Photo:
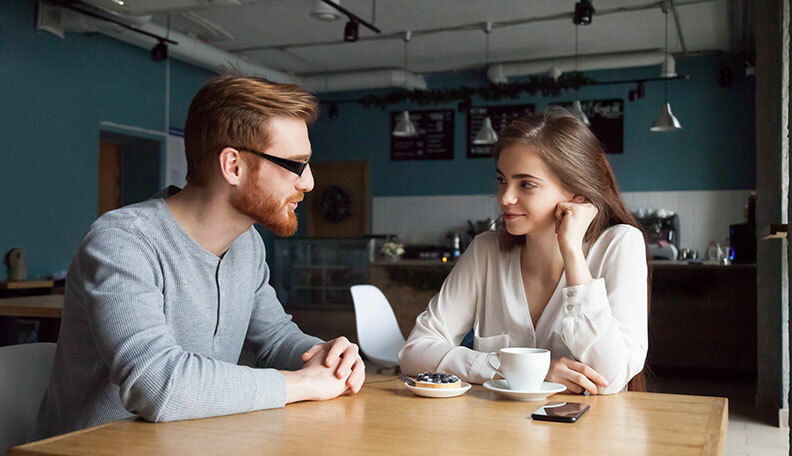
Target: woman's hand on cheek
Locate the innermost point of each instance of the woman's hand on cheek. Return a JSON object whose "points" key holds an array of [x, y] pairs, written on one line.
{"points": [[572, 221]]}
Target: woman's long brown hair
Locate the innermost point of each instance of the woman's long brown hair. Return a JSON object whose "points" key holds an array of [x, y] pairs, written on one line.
{"points": [[572, 152]]}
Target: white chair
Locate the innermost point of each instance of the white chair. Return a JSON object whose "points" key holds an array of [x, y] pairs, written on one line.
{"points": [[24, 374], [378, 332]]}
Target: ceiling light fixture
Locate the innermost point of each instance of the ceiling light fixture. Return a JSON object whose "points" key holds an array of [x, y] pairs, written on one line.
{"points": [[584, 11], [159, 52], [333, 111], [352, 28], [486, 135], [554, 73], [321, 11], [351, 31], [666, 121], [638, 92], [404, 127]]}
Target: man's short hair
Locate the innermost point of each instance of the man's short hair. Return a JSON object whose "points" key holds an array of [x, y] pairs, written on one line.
{"points": [[233, 111]]}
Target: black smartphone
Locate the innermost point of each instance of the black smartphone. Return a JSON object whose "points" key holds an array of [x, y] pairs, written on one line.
{"points": [[564, 412]]}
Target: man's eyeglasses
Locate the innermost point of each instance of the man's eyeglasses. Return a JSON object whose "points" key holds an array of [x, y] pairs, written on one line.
{"points": [[290, 165]]}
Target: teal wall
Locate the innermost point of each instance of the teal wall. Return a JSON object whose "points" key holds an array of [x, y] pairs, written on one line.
{"points": [[55, 93], [714, 151]]}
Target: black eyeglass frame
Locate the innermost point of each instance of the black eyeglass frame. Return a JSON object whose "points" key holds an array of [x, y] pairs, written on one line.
{"points": [[293, 166]]}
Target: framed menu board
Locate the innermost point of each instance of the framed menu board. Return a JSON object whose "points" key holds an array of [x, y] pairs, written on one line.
{"points": [[435, 140], [607, 122], [500, 117]]}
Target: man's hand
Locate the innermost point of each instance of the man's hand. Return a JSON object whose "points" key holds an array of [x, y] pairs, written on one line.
{"points": [[314, 382], [342, 355]]}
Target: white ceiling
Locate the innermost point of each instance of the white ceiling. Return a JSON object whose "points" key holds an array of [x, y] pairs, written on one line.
{"points": [[241, 26]]}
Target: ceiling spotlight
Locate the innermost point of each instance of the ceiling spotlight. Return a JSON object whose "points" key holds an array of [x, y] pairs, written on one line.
{"points": [[583, 12], [323, 12], [351, 31], [159, 52], [333, 111], [638, 92]]}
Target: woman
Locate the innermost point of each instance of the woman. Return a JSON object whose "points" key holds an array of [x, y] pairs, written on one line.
{"points": [[566, 270]]}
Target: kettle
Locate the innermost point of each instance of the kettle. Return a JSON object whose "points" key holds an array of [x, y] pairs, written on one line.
{"points": [[15, 262]]}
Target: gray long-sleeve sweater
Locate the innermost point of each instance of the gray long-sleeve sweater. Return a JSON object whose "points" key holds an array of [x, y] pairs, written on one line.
{"points": [[153, 325]]}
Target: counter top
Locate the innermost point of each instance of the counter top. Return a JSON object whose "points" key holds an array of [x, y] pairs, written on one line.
{"points": [[436, 262], [413, 262], [654, 263], [699, 264]]}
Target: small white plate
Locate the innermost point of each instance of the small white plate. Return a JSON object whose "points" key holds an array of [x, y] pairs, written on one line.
{"points": [[438, 392], [547, 389]]}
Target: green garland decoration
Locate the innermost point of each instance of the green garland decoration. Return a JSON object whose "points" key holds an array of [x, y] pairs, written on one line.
{"points": [[546, 86]]}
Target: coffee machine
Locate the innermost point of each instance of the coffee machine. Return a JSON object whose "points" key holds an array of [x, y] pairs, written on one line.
{"points": [[15, 262], [662, 233]]}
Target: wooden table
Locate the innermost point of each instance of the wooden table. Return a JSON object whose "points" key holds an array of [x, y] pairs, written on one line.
{"points": [[385, 418], [45, 306]]}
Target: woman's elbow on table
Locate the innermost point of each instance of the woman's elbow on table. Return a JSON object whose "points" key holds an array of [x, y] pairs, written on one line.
{"points": [[411, 362], [617, 381], [406, 361]]}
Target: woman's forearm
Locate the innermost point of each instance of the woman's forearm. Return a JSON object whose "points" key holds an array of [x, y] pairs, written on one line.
{"points": [[576, 268]]}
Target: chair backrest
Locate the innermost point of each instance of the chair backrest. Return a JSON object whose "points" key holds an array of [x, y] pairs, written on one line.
{"points": [[378, 331], [24, 374]]}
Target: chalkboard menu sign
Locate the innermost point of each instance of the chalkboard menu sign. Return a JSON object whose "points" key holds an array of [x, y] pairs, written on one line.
{"points": [[500, 117], [435, 140], [607, 122]]}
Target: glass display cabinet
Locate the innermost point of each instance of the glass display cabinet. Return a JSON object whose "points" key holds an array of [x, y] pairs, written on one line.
{"points": [[317, 273]]}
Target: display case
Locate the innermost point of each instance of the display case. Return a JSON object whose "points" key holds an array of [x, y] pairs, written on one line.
{"points": [[317, 273]]}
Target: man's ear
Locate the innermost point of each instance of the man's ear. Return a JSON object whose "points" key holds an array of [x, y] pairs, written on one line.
{"points": [[231, 166]]}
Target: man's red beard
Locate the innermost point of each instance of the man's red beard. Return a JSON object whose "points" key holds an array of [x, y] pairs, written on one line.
{"points": [[258, 203]]}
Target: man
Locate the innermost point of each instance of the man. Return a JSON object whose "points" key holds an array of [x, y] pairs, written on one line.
{"points": [[161, 295]]}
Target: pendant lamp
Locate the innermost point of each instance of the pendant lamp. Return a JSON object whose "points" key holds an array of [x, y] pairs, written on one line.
{"points": [[577, 109], [666, 121], [486, 135], [404, 126]]}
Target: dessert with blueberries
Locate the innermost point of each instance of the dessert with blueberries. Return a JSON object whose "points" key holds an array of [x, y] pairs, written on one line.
{"points": [[430, 380]]}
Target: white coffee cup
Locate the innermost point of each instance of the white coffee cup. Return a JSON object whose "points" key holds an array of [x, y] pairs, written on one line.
{"points": [[523, 368]]}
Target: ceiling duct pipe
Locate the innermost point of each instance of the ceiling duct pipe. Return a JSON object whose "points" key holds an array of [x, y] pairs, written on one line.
{"points": [[197, 52], [376, 79], [500, 72], [206, 56], [57, 20]]}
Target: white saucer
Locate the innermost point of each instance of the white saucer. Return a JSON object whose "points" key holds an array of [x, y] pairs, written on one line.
{"points": [[438, 392], [547, 389]]}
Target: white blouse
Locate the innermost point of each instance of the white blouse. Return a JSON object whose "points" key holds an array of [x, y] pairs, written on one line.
{"points": [[602, 323]]}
